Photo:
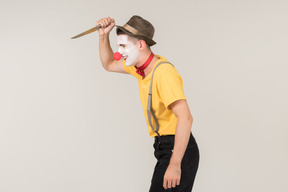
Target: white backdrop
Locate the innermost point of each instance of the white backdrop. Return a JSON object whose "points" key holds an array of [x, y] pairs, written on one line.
{"points": [[67, 125]]}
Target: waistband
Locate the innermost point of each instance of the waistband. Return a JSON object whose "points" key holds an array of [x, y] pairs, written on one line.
{"points": [[164, 138], [171, 138]]}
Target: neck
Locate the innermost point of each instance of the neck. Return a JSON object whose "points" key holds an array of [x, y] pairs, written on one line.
{"points": [[143, 59], [150, 66]]}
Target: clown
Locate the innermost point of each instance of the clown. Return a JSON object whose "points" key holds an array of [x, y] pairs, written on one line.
{"points": [[175, 147]]}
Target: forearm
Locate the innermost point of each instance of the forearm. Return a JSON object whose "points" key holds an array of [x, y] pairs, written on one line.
{"points": [[182, 136], [105, 51]]}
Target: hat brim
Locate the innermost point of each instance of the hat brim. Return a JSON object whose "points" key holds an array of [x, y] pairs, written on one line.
{"points": [[148, 40]]}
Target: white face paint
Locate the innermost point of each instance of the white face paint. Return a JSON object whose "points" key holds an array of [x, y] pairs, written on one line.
{"points": [[128, 50]]}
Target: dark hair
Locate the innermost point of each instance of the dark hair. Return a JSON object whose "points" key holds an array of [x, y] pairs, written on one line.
{"points": [[119, 32]]}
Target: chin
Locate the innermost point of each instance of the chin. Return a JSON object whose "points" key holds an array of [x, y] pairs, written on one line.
{"points": [[129, 64]]}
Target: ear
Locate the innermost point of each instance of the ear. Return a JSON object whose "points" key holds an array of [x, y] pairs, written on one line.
{"points": [[142, 45]]}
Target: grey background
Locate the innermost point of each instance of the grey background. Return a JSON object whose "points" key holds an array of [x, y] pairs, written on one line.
{"points": [[67, 125]]}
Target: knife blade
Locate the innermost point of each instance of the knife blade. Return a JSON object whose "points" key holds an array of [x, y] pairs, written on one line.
{"points": [[87, 32]]}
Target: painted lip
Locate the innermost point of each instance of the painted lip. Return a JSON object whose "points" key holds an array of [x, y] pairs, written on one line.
{"points": [[124, 57]]}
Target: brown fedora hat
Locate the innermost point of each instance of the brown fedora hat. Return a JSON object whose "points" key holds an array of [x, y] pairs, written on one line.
{"points": [[139, 28]]}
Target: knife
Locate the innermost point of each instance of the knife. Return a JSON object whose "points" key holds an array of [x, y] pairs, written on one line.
{"points": [[87, 32]]}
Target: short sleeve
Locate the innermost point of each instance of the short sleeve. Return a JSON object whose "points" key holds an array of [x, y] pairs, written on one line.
{"points": [[169, 84]]}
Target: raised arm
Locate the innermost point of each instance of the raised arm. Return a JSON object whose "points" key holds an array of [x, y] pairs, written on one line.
{"points": [[105, 50]]}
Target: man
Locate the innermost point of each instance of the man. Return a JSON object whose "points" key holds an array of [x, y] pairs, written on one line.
{"points": [[175, 147]]}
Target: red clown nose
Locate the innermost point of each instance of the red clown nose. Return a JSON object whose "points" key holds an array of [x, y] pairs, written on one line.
{"points": [[117, 56]]}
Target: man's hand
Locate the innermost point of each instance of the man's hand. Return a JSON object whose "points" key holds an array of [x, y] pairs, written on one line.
{"points": [[172, 176], [107, 25]]}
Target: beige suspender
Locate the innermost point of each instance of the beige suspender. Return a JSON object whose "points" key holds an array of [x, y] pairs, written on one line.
{"points": [[149, 106]]}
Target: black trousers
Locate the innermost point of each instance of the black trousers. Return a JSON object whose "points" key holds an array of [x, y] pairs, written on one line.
{"points": [[163, 151]]}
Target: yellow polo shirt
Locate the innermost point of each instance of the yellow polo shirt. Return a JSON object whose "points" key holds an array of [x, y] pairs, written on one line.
{"points": [[167, 88]]}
